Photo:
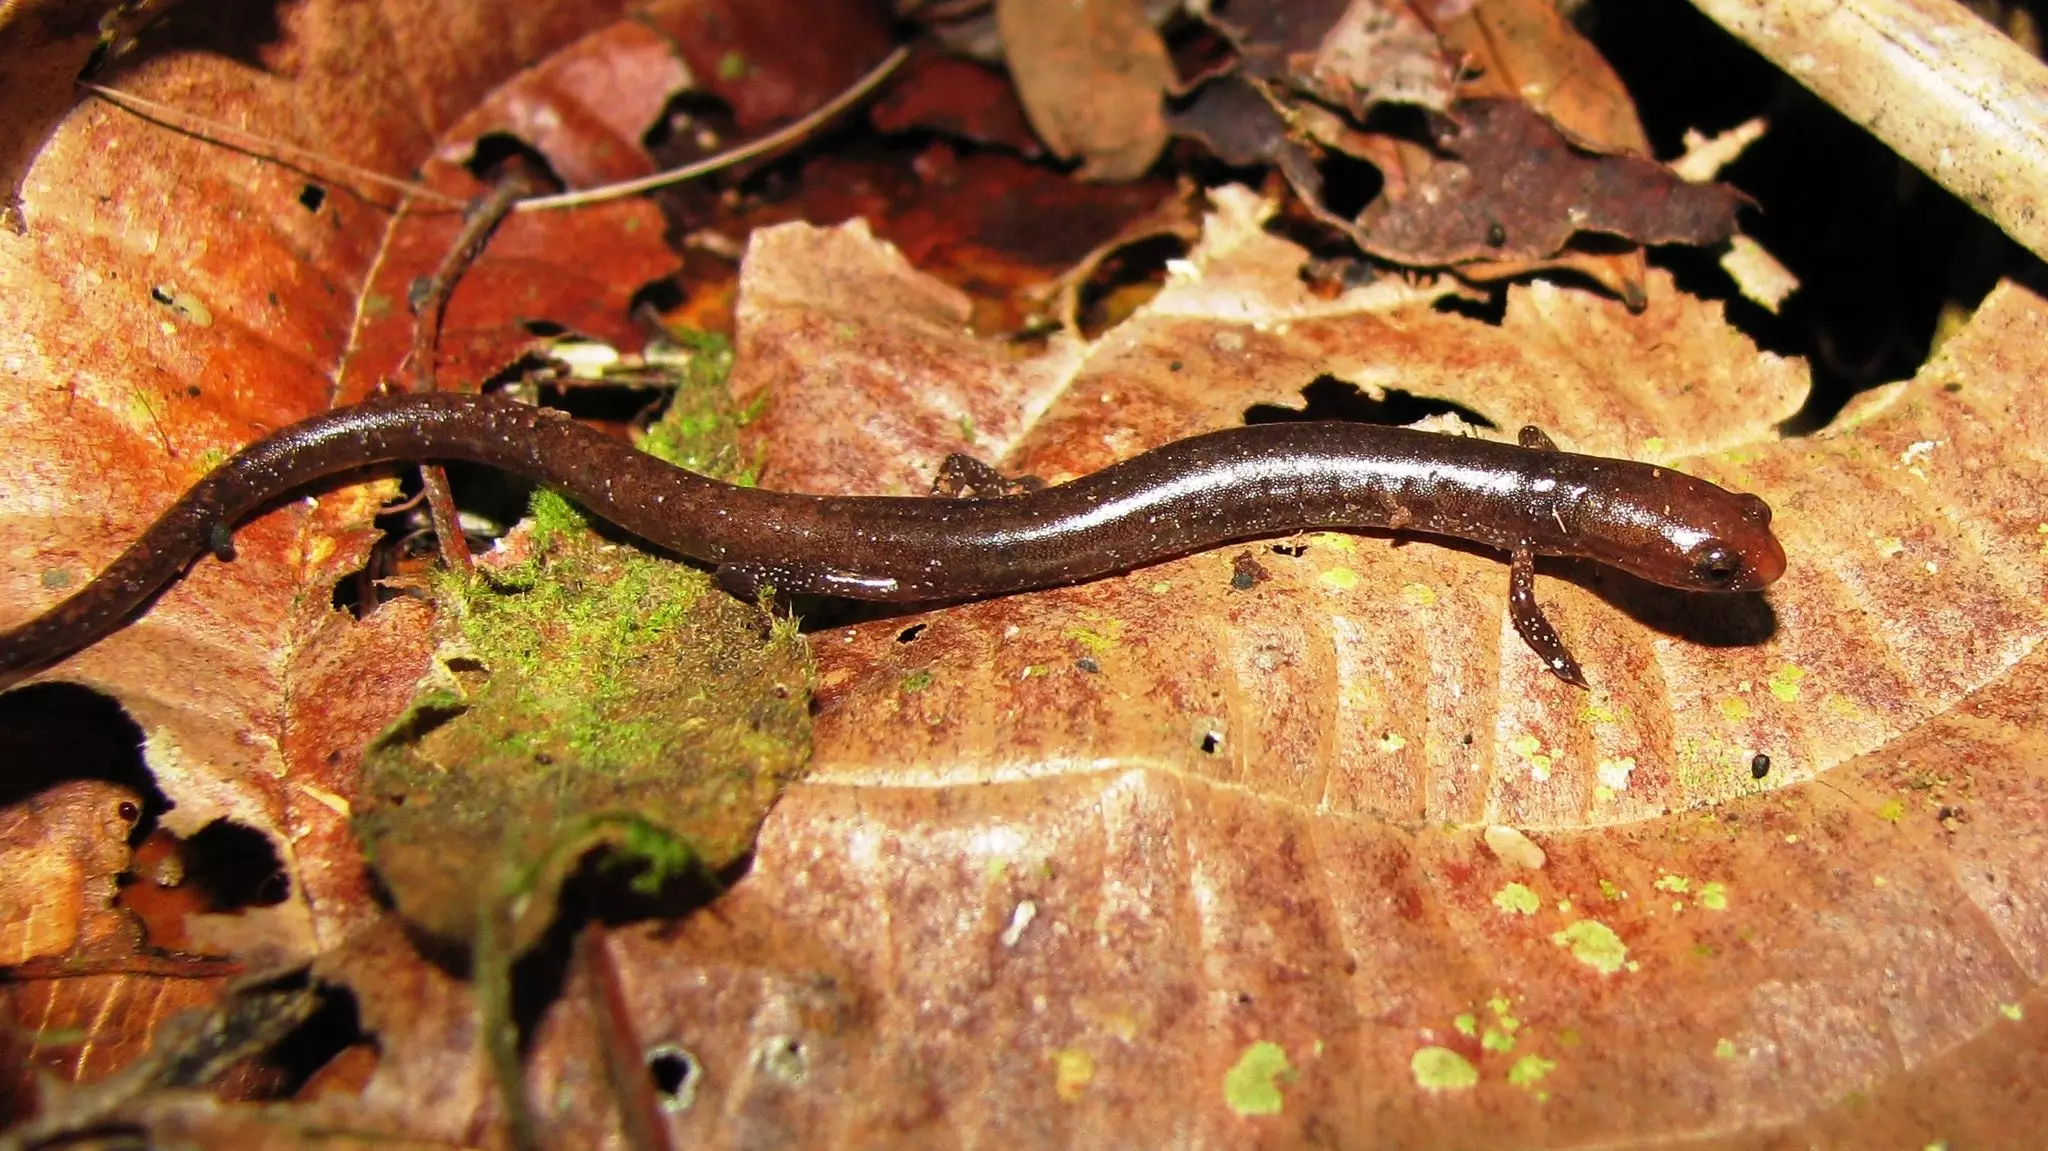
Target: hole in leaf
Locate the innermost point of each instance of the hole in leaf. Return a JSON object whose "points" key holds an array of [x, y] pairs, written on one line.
{"points": [[312, 196], [693, 125], [1491, 310], [496, 151], [676, 1074], [235, 867], [1348, 184], [1123, 280], [53, 732], [1330, 398], [910, 634], [658, 298]]}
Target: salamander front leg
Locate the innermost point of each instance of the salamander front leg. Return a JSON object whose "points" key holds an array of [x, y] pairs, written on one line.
{"points": [[1530, 623], [1535, 437]]}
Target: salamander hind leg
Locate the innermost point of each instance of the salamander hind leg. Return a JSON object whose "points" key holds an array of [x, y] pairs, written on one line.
{"points": [[964, 477], [1531, 624]]}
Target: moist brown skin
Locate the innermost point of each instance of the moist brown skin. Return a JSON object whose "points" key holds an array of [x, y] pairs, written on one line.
{"points": [[1527, 500]]}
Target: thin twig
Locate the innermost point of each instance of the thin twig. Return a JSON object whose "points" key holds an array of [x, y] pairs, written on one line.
{"points": [[166, 116], [727, 159], [429, 308]]}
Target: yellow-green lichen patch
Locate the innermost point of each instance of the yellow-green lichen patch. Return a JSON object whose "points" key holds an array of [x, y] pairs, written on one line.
{"points": [[1339, 579], [1600, 711], [1594, 944], [1892, 810], [1784, 682], [1467, 1024], [1714, 896], [1252, 1085], [916, 682], [1530, 1070], [1724, 1049], [2012, 1011], [1442, 1069], [1496, 1039], [1676, 884], [1072, 1071], [1096, 632], [1517, 899], [1422, 595], [1531, 749]]}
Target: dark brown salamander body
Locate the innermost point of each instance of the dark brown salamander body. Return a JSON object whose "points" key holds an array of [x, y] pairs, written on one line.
{"points": [[1241, 483]]}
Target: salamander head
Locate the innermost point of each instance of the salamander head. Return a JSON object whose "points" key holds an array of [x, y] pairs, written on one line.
{"points": [[1687, 533]]}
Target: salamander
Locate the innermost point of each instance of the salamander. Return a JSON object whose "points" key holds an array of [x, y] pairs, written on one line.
{"points": [[1525, 499]]}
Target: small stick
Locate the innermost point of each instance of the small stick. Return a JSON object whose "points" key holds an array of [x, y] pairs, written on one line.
{"points": [[165, 116], [726, 159], [430, 306]]}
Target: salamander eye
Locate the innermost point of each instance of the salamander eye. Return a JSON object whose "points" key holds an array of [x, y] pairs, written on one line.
{"points": [[1755, 510], [1716, 566]]}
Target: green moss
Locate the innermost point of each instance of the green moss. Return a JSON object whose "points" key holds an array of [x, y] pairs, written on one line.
{"points": [[591, 697], [697, 429]]}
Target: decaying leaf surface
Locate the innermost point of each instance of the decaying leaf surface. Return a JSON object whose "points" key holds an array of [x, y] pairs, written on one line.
{"points": [[146, 343], [1512, 188], [171, 300], [1540, 145]]}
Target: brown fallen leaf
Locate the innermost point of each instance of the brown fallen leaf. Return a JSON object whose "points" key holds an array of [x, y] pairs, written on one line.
{"points": [[1353, 54], [1091, 74], [1509, 187], [961, 98]]}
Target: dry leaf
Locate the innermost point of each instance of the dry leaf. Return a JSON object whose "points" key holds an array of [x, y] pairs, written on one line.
{"points": [[1510, 188], [958, 97], [1350, 53], [1091, 74]]}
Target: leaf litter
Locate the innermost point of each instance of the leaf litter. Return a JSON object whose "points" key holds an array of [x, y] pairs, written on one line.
{"points": [[1270, 854]]}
